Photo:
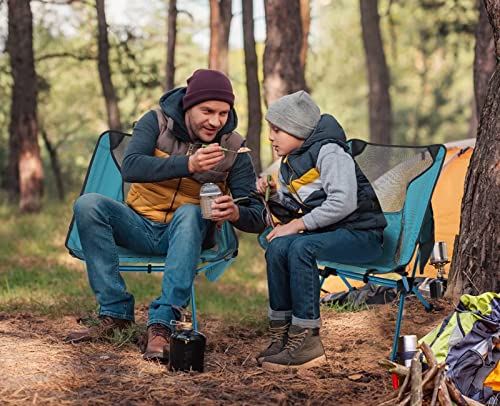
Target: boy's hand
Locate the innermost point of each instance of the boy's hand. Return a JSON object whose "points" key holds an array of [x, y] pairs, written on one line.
{"points": [[262, 183], [205, 159], [224, 208], [293, 227]]}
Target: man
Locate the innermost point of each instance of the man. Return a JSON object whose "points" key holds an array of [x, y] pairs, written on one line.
{"points": [[187, 142]]}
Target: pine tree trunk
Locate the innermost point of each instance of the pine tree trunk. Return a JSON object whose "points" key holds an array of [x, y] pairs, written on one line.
{"points": [[23, 125], [108, 89], [54, 164], [484, 57], [220, 24], [282, 68], [252, 82], [305, 16], [379, 100], [475, 265], [171, 42]]}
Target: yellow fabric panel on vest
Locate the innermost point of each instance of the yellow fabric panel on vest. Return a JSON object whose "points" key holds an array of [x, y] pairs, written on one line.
{"points": [[308, 177]]}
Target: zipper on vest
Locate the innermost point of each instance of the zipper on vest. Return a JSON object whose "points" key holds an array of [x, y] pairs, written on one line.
{"points": [[290, 183]]}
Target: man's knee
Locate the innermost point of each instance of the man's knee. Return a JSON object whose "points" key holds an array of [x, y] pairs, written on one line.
{"points": [[86, 203], [188, 213]]}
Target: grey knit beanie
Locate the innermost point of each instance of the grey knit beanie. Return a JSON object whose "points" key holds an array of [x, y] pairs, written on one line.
{"points": [[297, 114]]}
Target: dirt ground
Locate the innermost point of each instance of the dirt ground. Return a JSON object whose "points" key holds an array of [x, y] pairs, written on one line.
{"points": [[36, 367]]}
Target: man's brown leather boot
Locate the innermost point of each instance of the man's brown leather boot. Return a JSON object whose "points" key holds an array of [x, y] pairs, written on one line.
{"points": [[104, 329], [158, 339]]}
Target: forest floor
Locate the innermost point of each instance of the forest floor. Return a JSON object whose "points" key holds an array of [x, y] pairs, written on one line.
{"points": [[37, 367]]}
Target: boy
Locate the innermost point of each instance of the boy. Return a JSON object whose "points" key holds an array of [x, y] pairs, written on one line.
{"points": [[335, 216]]}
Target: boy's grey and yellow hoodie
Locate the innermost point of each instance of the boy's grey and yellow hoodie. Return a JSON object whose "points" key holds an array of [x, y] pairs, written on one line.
{"points": [[322, 181], [158, 177]]}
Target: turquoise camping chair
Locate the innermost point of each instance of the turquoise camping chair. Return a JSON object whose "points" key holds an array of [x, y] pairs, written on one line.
{"points": [[403, 179], [104, 177]]}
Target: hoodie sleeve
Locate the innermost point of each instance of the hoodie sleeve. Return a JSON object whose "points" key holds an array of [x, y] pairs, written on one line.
{"points": [[338, 178], [241, 182], [139, 163]]}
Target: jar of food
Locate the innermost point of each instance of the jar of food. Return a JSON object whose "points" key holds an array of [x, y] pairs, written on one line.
{"points": [[208, 193]]}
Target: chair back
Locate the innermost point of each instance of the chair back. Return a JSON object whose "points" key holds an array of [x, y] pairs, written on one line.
{"points": [[404, 179]]}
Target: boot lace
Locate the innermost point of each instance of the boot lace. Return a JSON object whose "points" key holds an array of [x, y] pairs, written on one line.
{"points": [[160, 330], [295, 340], [277, 333]]}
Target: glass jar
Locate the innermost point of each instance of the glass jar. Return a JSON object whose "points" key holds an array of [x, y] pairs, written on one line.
{"points": [[208, 193]]}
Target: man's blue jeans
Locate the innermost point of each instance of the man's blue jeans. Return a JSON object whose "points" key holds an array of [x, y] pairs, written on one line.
{"points": [[292, 272], [104, 223]]}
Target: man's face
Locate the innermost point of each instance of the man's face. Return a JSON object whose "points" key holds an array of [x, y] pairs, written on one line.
{"points": [[206, 119]]}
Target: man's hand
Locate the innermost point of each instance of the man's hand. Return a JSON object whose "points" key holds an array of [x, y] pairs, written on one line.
{"points": [[224, 208], [262, 183], [293, 227], [205, 159]]}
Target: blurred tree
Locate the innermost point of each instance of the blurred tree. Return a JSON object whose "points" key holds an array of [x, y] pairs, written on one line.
{"points": [[379, 100], [171, 40], [282, 68], [220, 24], [252, 83], [103, 66], [475, 266], [305, 16], [25, 164], [283, 73]]}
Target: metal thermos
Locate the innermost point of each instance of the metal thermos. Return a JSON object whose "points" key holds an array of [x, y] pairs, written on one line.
{"points": [[187, 349], [208, 193], [407, 347]]}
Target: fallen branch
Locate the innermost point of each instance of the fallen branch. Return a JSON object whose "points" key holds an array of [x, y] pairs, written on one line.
{"points": [[443, 394], [437, 380], [454, 392], [429, 355], [393, 368], [416, 395]]}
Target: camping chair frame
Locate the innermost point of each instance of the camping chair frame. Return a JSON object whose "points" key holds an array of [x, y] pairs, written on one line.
{"points": [[104, 177], [406, 224]]}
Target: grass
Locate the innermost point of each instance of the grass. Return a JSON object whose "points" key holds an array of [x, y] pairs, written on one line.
{"points": [[37, 274]]}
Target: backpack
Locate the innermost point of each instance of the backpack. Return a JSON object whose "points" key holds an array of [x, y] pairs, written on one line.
{"points": [[468, 341]]}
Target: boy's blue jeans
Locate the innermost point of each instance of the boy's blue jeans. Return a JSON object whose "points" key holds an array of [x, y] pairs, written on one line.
{"points": [[104, 223], [292, 273]]}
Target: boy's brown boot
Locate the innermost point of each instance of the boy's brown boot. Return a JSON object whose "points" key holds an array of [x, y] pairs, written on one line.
{"points": [[278, 330], [303, 350]]}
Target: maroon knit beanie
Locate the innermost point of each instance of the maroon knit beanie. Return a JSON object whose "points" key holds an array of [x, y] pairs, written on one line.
{"points": [[207, 84]]}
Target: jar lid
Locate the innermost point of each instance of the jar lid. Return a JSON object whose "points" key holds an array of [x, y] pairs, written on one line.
{"points": [[210, 189]]}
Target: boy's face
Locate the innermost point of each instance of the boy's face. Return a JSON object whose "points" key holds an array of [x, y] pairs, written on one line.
{"points": [[206, 119], [283, 143]]}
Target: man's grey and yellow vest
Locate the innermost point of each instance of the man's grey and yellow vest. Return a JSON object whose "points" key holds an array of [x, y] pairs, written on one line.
{"points": [[298, 172], [158, 201]]}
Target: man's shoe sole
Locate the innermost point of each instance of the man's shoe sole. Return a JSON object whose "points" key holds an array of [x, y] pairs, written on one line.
{"points": [[271, 366], [155, 356]]}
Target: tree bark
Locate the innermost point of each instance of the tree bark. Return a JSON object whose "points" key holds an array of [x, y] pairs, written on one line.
{"points": [[25, 163], [54, 164], [108, 89], [475, 265], [252, 83], [305, 16], [220, 24], [282, 71], [171, 42], [379, 100], [484, 57]]}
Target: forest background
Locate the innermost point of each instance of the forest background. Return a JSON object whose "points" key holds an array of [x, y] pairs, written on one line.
{"points": [[429, 48]]}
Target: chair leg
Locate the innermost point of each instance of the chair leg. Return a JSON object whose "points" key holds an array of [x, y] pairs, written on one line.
{"points": [[428, 306], [193, 309], [398, 325]]}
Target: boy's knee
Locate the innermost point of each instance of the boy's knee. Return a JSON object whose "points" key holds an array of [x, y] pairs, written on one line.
{"points": [[277, 247]]}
